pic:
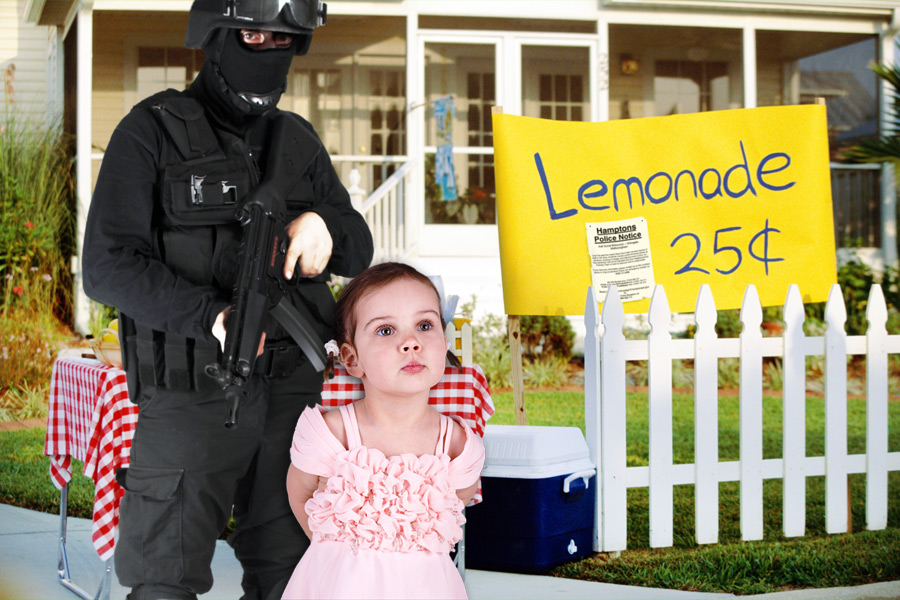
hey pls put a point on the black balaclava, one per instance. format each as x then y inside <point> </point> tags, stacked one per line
<point>238,83</point>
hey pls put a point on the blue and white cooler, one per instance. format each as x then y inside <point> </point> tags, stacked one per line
<point>538,509</point>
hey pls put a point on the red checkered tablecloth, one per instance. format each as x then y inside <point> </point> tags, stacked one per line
<point>91,418</point>
<point>460,392</point>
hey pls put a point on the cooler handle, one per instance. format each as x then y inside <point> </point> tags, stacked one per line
<point>585,475</point>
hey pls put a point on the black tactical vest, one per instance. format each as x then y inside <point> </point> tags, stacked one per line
<point>204,177</point>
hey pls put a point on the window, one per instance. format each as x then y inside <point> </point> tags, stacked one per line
<point>481,97</point>
<point>561,97</point>
<point>387,119</point>
<point>683,86</point>
<point>317,97</point>
<point>797,67</point>
<point>466,73</point>
<point>162,68</point>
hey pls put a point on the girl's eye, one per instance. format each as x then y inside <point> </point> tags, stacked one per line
<point>384,330</point>
<point>425,326</point>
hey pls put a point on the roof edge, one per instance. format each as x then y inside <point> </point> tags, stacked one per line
<point>882,8</point>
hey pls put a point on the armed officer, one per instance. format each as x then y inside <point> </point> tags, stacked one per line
<point>162,246</point>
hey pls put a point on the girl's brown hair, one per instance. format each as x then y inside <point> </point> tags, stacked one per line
<point>370,280</point>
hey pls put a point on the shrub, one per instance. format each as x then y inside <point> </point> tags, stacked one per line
<point>490,349</point>
<point>550,340</point>
<point>27,351</point>
<point>547,336</point>
<point>37,228</point>
<point>546,371</point>
<point>27,402</point>
<point>856,280</point>
<point>36,244</point>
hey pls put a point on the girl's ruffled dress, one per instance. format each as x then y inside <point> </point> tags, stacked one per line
<point>383,527</point>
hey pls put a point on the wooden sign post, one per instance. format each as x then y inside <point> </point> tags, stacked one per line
<point>515,362</point>
<point>515,352</point>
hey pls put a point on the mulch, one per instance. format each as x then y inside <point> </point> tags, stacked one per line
<point>25,424</point>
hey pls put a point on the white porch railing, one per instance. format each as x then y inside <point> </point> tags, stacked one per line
<point>606,352</point>
<point>386,214</point>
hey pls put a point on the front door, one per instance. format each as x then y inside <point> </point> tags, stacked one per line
<point>526,74</point>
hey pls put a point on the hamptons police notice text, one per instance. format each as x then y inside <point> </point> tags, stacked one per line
<point>622,233</point>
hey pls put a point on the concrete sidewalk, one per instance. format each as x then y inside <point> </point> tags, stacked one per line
<point>28,571</point>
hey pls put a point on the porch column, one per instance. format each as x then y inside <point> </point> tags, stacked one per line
<point>600,74</point>
<point>749,67</point>
<point>54,91</point>
<point>83,174</point>
<point>888,180</point>
<point>414,205</point>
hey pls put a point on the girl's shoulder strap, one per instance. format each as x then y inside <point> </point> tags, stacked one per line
<point>351,426</point>
<point>446,434</point>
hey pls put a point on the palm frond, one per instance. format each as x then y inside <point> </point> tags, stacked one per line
<point>886,147</point>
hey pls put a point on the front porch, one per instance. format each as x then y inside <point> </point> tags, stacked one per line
<point>370,82</point>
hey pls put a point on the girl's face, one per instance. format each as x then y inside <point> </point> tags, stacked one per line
<point>398,347</point>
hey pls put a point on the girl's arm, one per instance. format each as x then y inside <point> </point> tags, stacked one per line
<point>457,444</point>
<point>300,487</point>
<point>467,494</point>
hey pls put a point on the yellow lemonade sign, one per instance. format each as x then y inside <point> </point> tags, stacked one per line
<point>726,198</point>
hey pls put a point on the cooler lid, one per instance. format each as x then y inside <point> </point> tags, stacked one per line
<point>535,447</point>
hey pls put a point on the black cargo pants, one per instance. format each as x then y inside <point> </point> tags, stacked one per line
<point>188,473</point>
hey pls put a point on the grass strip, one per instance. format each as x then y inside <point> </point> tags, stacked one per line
<point>25,476</point>
<point>751,567</point>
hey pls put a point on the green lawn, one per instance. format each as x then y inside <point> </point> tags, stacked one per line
<point>25,476</point>
<point>776,563</point>
<point>732,566</point>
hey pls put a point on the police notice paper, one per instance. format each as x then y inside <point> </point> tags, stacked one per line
<point>620,256</point>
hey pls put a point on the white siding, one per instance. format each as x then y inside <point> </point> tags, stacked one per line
<point>24,46</point>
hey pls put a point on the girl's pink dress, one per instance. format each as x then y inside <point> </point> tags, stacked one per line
<point>383,527</point>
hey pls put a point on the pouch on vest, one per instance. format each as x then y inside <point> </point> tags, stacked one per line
<point>205,187</point>
<point>140,360</point>
<point>205,193</point>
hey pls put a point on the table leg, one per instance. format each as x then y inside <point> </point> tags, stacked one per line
<point>63,568</point>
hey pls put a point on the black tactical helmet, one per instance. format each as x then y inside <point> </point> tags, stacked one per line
<point>298,17</point>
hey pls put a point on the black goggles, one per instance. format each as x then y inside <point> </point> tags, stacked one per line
<point>302,13</point>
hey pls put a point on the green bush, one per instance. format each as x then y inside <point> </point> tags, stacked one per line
<point>546,371</point>
<point>28,401</point>
<point>856,280</point>
<point>36,244</point>
<point>547,336</point>
<point>37,236</point>
<point>490,348</point>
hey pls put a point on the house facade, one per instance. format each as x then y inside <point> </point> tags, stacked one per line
<point>374,78</point>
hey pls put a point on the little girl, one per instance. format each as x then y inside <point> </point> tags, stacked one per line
<point>379,485</point>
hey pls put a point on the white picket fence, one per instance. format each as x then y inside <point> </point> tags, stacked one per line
<point>460,341</point>
<point>606,353</point>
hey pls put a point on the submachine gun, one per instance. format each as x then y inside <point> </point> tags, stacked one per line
<point>260,289</point>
